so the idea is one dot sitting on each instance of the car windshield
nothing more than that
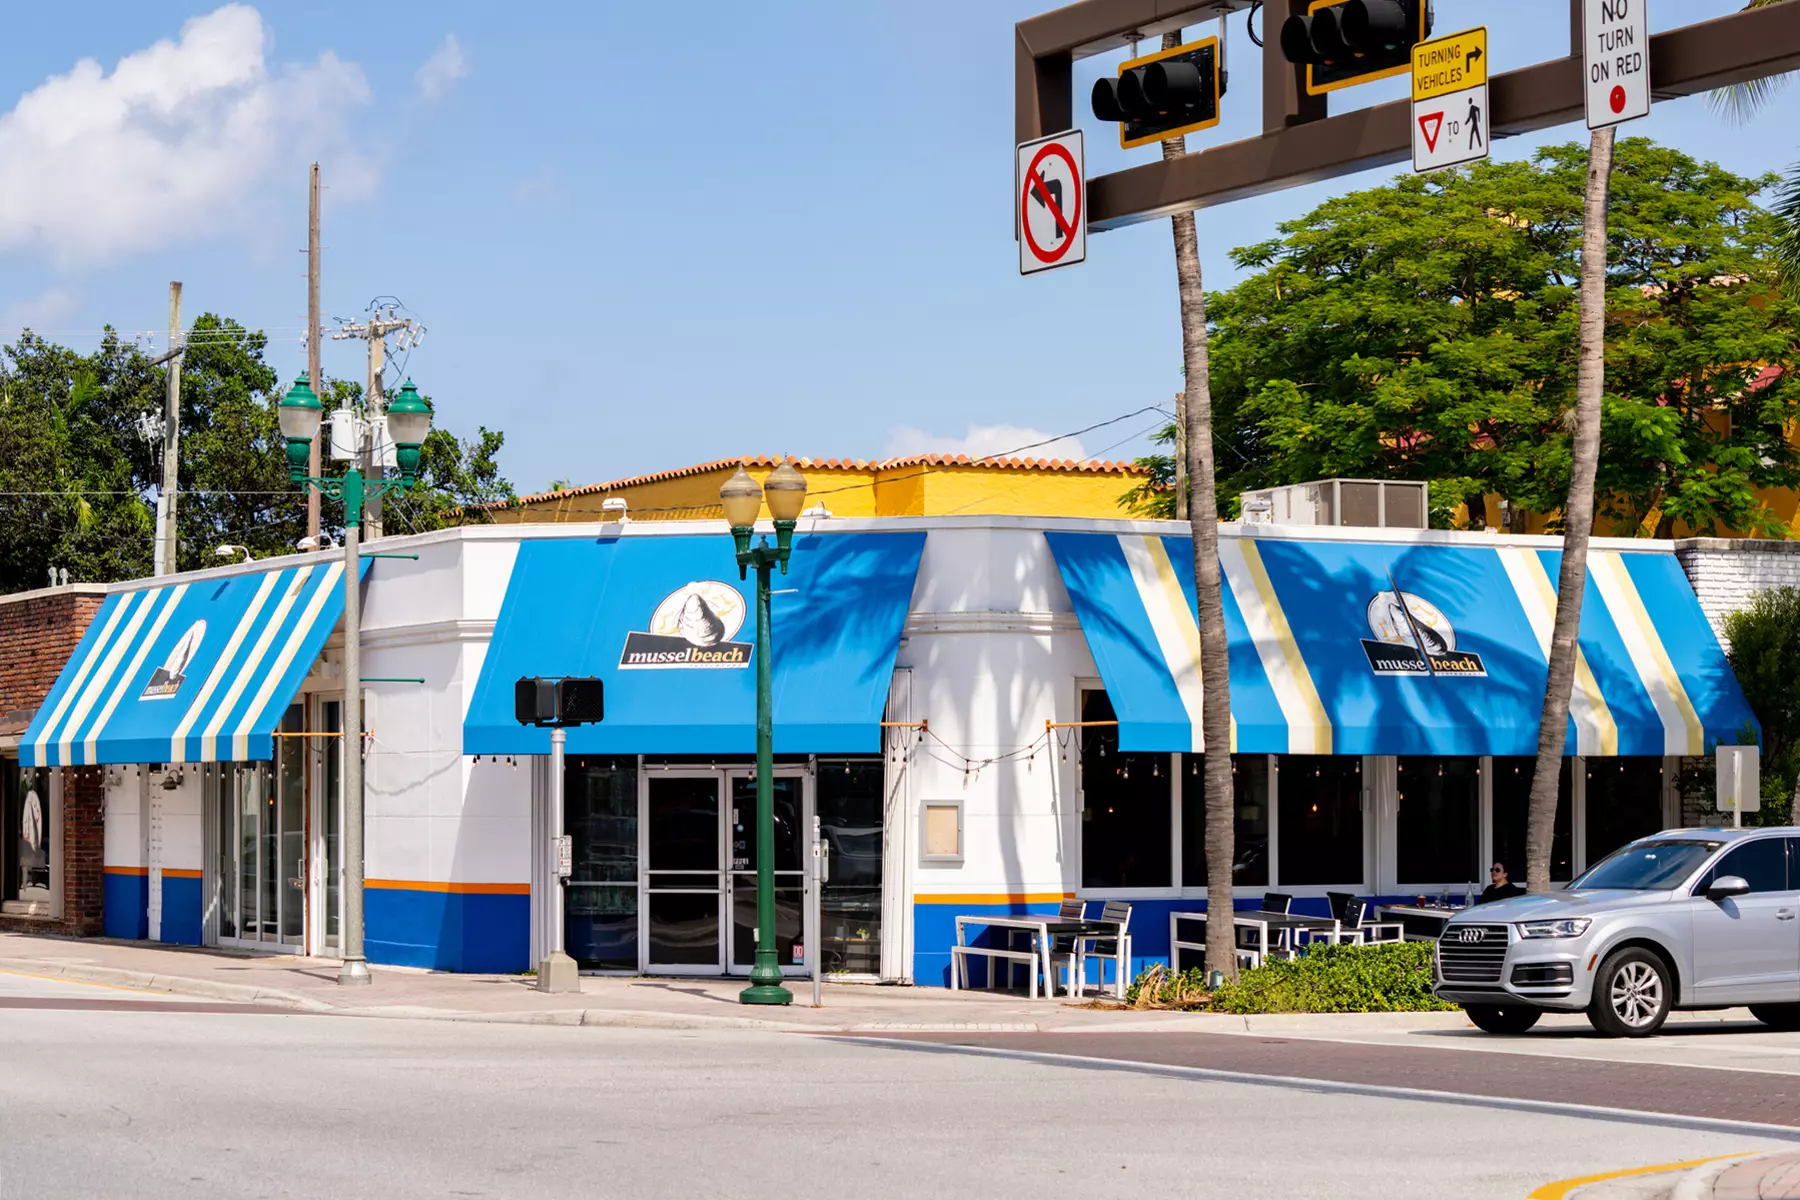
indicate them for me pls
(1646, 866)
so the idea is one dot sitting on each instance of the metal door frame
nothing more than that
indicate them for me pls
(645, 889)
(266, 773)
(807, 775)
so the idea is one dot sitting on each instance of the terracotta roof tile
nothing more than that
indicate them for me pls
(1088, 466)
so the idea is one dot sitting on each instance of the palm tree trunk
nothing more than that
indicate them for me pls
(1578, 517)
(1203, 515)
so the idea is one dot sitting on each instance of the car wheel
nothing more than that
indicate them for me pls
(1777, 1016)
(1631, 994)
(1502, 1018)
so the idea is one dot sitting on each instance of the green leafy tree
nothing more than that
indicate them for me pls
(78, 475)
(1765, 657)
(1427, 330)
(71, 490)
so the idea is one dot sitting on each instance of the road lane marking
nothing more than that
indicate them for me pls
(117, 987)
(1562, 1187)
(1787, 1133)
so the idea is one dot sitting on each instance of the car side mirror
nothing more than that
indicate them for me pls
(1726, 886)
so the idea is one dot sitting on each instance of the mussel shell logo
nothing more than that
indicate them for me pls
(1389, 624)
(166, 680)
(705, 612)
(692, 627)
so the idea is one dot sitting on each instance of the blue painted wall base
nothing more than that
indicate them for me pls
(476, 932)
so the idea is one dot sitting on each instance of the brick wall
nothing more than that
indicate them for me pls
(1726, 572)
(38, 632)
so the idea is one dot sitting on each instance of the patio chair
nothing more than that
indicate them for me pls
(1281, 941)
(1113, 948)
(1354, 927)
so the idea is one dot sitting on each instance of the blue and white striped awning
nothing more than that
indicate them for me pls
(1339, 646)
(195, 671)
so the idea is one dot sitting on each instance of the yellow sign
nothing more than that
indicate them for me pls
(1450, 64)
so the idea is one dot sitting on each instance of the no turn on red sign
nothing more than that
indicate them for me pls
(1050, 202)
(1615, 40)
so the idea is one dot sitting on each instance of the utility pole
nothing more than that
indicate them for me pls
(171, 440)
(375, 331)
(312, 345)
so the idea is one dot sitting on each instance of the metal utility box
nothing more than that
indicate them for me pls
(1364, 503)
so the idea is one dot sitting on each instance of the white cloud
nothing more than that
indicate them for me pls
(983, 440)
(542, 190)
(440, 72)
(41, 312)
(174, 141)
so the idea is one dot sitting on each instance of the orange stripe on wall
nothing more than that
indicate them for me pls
(180, 873)
(478, 889)
(110, 870)
(995, 898)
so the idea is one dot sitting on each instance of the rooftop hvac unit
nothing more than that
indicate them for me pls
(1363, 503)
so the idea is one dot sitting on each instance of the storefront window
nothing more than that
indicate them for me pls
(1512, 804)
(26, 836)
(1437, 829)
(850, 796)
(1321, 829)
(1250, 841)
(1624, 801)
(600, 904)
(1126, 807)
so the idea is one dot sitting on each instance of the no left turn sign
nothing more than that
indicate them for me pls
(1050, 202)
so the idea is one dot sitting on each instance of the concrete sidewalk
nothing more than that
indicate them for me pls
(310, 984)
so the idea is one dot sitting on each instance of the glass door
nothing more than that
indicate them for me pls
(259, 844)
(793, 826)
(327, 758)
(683, 884)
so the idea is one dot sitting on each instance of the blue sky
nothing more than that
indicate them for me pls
(784, 228)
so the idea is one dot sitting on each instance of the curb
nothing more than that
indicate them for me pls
(175, 984)
(1698, 1183)
(595, 1018)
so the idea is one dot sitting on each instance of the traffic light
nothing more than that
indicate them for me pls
(1346, 42)
(1163, 95)
(572, 701)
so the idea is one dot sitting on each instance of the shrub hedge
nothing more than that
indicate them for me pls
(1389, 977)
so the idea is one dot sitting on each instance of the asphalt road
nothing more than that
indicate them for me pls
(106, 1092)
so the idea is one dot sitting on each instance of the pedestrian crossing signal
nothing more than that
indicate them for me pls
(1163, 95)
(1346, 42)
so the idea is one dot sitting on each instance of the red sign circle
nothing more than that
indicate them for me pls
(1069, 223)
(1617, 99)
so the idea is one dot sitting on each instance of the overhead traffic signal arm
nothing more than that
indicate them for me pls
(1346, 42)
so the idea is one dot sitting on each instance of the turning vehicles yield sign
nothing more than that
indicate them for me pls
(1450, 100)
(1050, 202)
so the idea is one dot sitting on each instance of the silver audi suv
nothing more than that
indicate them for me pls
(1687, 918)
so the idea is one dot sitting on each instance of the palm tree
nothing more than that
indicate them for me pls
(1578, 516)
(1738, 103)
(1203, 516)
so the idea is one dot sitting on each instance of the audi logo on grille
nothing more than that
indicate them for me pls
(1473, 933)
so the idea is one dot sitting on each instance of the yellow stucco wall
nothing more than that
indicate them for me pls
(865, 490)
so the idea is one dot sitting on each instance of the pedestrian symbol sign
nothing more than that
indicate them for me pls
(1050, 202)
(1450, 100)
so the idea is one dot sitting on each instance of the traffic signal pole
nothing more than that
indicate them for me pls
(1301, 142)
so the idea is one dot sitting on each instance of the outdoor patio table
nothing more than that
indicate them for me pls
(1042, 930)
(1263, 922)
(1418, 924)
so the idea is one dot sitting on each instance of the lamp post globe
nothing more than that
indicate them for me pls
(742, 498)
(408, 421)
(300, 414)
(785, 489)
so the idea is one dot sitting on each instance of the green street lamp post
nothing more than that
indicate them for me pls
(408, 421)
(742, 499)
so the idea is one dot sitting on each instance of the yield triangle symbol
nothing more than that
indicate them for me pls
(1431, 124)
